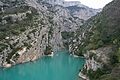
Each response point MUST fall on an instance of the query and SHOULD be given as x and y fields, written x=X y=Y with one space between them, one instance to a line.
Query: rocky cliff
x=82 y=11
x=54 y=2
x=75 y=8
x=62 y=2
x=30 y=29
x=99 y=42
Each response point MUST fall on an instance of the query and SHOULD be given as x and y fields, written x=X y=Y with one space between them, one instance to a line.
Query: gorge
x=33 y=29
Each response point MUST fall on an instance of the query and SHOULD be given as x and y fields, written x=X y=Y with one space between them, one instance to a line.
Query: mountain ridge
x=76 y=8
x=99 y=43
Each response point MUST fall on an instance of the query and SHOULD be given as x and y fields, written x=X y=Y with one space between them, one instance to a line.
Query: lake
x=61 y=66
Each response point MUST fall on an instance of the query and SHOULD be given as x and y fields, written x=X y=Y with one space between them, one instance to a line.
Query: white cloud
x=93 y=3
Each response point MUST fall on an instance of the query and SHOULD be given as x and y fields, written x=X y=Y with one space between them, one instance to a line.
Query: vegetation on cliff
x=101 y=31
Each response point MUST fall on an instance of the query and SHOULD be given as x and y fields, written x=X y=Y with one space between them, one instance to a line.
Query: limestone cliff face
x=30 y=29
x=54 y=2
x=75 y=8
x=82 y=11
x=71 y=3
x=62 y=2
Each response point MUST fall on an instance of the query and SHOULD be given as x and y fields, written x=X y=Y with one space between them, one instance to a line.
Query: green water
x=60 y=67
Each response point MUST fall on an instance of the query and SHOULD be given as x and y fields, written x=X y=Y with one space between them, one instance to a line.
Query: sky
x=93 y=3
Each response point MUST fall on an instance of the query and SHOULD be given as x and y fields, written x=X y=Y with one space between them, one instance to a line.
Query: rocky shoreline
x=26 y=58
x=84 y=77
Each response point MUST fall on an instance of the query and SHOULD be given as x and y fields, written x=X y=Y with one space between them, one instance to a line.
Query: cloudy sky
x=93 y=3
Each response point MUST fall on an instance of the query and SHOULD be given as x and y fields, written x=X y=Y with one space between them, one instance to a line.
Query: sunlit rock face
x=54 y=2
x=82 y=11
x=63 y=3
x=71 y=3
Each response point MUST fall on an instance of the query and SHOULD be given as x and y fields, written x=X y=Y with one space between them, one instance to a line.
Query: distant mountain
x=61 y=2
x=82 y=11
x=75 y=8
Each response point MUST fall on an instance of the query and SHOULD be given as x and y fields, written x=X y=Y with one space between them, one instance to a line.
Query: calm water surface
x=60 y=67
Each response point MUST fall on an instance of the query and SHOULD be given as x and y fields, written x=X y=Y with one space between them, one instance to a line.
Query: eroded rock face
x=62 y=2
x=97 y=58
x=75 y=8
x=54 y=2
x=82 y=11
x=30 y=27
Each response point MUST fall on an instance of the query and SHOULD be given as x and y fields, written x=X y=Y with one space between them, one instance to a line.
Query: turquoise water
x=60 y=67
